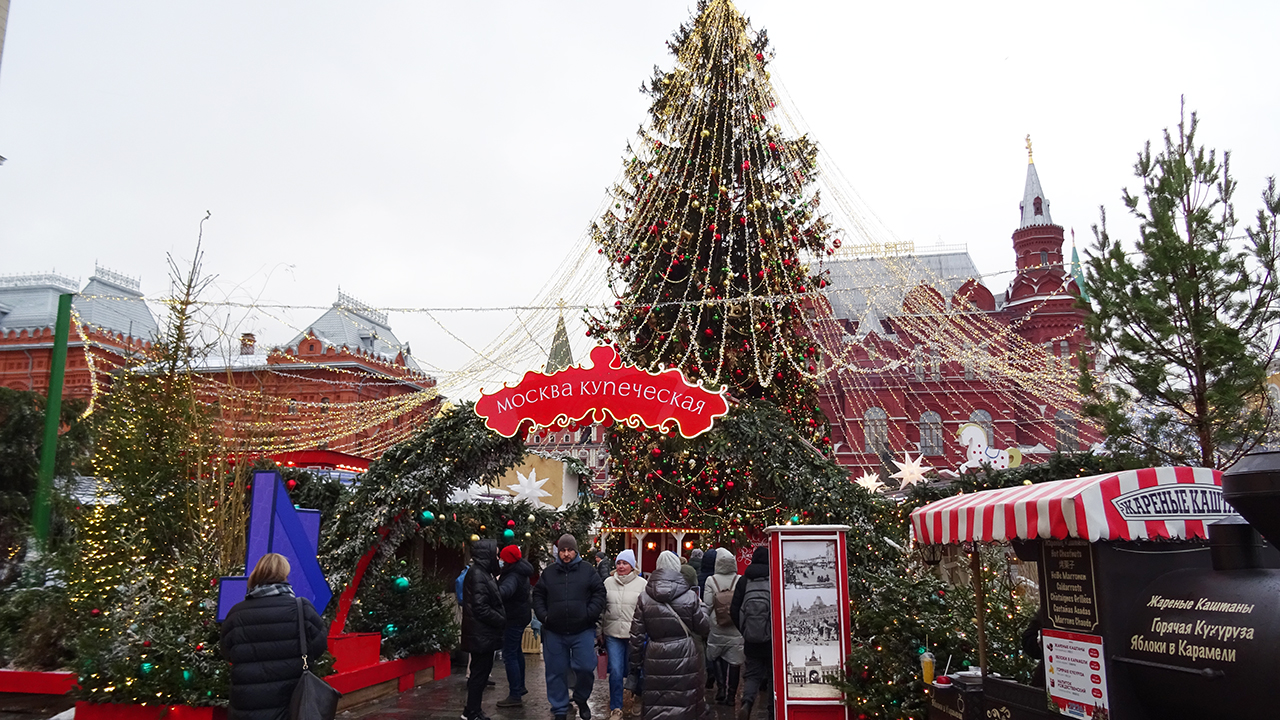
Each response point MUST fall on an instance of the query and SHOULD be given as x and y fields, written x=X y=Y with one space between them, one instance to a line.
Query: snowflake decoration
x=910 y=471
x=529 y=488
x=870 y=481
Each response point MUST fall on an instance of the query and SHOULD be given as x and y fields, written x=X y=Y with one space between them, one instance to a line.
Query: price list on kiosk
x=1075 y=672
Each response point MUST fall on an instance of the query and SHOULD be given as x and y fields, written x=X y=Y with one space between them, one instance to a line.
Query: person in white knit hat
x=623 y=590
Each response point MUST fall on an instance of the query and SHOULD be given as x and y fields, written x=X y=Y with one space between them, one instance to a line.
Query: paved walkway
x=443 y=699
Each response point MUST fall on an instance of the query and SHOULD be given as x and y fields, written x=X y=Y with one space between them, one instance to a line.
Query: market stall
x=1126 y=576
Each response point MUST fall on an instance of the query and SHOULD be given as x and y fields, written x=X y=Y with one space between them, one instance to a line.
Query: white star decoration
x=529 y=488
x=870 y=481
x=910 y=471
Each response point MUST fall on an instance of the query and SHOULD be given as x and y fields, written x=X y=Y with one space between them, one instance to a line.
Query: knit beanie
x=628 y=557
x=567 y=541
x=669 y=561
x=695 y=557
x=510 y=554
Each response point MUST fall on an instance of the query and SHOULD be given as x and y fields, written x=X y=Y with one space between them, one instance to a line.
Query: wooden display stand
x=809 y=580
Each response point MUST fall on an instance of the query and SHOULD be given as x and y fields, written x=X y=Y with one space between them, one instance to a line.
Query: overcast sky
x=451 y=154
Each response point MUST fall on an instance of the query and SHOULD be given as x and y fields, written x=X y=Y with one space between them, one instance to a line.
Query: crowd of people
x=669 y=640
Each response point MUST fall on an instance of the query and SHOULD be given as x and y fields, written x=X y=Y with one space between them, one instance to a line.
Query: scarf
x=262 y=591
x=624 y=579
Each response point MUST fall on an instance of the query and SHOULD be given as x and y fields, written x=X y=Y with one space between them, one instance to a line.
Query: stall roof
x=1166 y=502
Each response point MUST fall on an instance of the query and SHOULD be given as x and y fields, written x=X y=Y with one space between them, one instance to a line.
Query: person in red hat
x=514 y=585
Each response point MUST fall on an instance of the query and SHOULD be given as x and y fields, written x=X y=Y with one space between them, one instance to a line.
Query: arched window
x=983 y=418
x=1065 y=434
x=875 y=430
x=1038 y=204
x=1044 y=259
x=935 y=364
x=931 y=433
x=917 y=357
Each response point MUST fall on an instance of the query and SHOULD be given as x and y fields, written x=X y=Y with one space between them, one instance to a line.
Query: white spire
x=1034 y=206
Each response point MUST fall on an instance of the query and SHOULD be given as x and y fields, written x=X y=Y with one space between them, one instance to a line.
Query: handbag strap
x=302 y=635
x=679 y=620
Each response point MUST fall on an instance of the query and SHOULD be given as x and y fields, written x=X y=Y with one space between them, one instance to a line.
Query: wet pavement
x=443 y=699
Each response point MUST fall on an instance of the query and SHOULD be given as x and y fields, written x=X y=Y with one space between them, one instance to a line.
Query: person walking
x=483 y=622
x=568 y=601
x=604 y=566
x=752 y=613
x=724 y=644
x=516 y=590
x=260 y=639
x=669 y=618
x=689 y=571
x=623 y=590
x=707 y=568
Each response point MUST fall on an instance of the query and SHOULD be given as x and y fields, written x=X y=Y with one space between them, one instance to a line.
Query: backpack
x=722 y=602
x=755 y=618
x=457 y=585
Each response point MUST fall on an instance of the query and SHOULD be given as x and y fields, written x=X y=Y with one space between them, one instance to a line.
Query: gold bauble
x=475 y=538
x=705 y=133
x=532 y=517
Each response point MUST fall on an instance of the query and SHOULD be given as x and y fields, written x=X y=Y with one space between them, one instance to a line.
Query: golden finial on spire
x=1029 y=160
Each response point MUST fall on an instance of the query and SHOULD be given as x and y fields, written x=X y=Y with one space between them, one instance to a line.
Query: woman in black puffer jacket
x=260 y=640
x=483 y=621
x=669 y=615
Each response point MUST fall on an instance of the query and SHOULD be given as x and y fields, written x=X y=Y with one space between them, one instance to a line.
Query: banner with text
x=606 y=390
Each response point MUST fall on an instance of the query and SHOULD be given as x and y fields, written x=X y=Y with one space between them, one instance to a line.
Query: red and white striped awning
x=1167 y=502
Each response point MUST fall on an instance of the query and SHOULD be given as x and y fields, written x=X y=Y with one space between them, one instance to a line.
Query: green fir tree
x=710 y=237
x=1184 y=317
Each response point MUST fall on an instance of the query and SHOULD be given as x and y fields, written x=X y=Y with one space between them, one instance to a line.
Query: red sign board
x=607 y=389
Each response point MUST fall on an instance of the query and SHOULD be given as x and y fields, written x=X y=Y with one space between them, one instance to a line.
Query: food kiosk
x=1158 y=598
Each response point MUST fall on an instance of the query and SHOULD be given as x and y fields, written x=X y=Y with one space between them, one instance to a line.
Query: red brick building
x=921 y=347
x=111 y=326
x=345 y=383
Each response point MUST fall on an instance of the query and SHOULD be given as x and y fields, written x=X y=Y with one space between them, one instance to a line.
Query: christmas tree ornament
x=508 y=533
x=402 y=584
x=426 y=517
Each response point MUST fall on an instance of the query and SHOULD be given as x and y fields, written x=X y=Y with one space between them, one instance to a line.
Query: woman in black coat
x=669 y=620
x=483 y=622
x=260 y=640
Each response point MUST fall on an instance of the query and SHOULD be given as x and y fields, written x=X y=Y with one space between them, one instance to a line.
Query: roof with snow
x=356 y=326
x=869 y=290
x=110 y=301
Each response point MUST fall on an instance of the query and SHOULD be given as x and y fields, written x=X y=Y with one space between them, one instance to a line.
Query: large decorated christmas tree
x=710 y=237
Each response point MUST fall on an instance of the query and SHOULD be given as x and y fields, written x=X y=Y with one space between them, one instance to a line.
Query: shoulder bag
x=313 y=698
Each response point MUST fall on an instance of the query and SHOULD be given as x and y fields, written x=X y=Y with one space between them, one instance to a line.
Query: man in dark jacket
x=568 y=601
x=483 y=622
x=260 y=639
x=516 y=590
x=759 y=655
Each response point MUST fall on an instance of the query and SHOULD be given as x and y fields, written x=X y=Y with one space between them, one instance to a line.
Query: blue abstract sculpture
x=275 y=525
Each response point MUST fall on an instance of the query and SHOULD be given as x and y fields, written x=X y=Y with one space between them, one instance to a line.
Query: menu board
x=1071 y=598
x=1075 y=673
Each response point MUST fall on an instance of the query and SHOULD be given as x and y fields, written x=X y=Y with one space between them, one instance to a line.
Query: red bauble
x=95 y=612
x=746 y=164
x=511 y=523
x=146 y=643
x=710 y=332
x=291 y=484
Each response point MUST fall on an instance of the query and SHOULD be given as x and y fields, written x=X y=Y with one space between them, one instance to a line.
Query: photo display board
x=811 y=582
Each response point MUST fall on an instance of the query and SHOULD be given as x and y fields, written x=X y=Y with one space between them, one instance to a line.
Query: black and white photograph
x=812 y=618
x=809 y=564
x=813 y=636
